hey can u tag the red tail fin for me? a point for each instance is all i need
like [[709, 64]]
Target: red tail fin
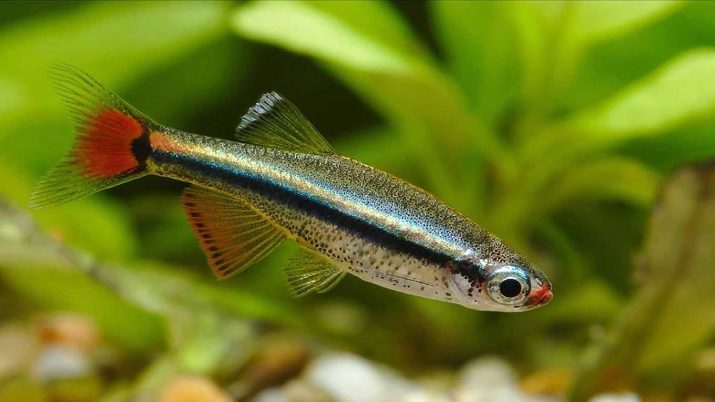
[[104, 149], [111, 147]]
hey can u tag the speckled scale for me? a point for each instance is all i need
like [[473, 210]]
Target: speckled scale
[[327, 181], [368, 260]]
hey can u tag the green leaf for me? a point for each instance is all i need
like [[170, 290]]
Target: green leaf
[[552, 38], [610, 65], [679, 92], [30, 111], [114, 41], [314, 29], [533, 23], [475, 36], [37, 267], [597, 20], [612, 178], [390, 70], [666, 152]]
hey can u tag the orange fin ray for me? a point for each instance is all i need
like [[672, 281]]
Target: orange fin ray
[[230, 244]]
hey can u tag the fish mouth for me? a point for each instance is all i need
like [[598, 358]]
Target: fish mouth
[[541, 296]]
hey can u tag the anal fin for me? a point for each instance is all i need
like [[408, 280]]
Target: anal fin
[[232, 234], [309, 272]]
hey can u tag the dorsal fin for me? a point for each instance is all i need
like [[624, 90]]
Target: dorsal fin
[[277, 123], [232, 234], [309, 272]]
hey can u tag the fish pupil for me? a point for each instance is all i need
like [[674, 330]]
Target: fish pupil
[[510, 287]]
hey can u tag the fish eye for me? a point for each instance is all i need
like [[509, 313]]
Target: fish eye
[[508, 285]]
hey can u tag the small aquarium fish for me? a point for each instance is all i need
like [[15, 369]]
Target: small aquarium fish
[[280, 180]]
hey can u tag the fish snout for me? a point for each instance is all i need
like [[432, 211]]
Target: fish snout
[[541, 296]]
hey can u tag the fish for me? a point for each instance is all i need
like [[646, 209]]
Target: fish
[[281, 180]]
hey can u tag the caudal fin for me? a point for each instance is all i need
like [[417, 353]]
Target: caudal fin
[[111, 147]]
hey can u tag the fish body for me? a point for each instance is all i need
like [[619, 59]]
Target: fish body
[[282, 180], [376, 226]]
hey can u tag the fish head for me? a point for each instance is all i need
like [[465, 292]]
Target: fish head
[[505, 282]]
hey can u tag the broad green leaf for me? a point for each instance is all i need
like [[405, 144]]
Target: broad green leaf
[[613, 178], [479, 41], [600, 20], [666, 152], [552, 38], [113, 40], [375, 20], [390, 71], [679, 92], [313, 29], [549, 55], [610, 65], [585, 23], [531, 28]]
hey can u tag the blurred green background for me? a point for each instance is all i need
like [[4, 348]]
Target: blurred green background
[[553, 124]]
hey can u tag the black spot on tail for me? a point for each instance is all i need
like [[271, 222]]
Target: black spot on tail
[[141, 147]]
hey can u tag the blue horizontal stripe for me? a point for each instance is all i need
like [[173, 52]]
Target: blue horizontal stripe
[[303, 202]]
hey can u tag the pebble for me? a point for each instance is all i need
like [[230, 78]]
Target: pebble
[[191, 388], [624, 397], [18, 348], [491, 379], [72, 330], [351, 378], [61, 362]]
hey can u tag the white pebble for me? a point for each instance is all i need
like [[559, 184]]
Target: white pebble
[[490, 380], [624, 397], [349, 378], [61, 362]]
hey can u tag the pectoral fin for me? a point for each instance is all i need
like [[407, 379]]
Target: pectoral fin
[[310, 272]]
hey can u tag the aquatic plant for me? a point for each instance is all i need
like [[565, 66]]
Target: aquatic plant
[[553, 124]]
